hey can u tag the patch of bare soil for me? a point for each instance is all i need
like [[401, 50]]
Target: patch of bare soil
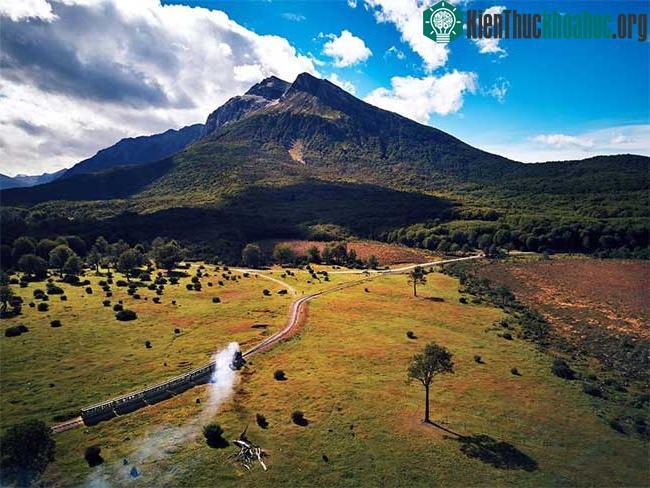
[[570, 293], [386, 254]]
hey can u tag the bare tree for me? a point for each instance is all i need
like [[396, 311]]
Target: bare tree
[[435, 360]]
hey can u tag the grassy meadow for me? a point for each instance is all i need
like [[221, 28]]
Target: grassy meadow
[[346, 371], [53, 371]]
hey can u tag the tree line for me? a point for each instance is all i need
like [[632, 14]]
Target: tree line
[[68, 255], [612, 240], [334, 253]]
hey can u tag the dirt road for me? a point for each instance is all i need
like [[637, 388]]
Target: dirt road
[[297, 307]]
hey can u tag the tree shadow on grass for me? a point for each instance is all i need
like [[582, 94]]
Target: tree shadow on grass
[[501, 455]]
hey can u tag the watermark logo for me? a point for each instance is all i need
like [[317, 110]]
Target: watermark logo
[[442, 22]]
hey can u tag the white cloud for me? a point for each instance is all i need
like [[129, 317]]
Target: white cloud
[[627, 139], [26, 9], [491, 46], [393, 51], [352, 3], [346, 85], [498, 90], [248, 73], [406, 15], [105, 69], [563, 141], [346, 49], [294, 17], [420, 98]]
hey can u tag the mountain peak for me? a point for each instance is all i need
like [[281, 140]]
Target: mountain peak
[[324, 91], [270, 88], [317, 87]]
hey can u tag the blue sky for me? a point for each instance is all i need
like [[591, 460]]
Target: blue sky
[[553, 87], [77, 76]]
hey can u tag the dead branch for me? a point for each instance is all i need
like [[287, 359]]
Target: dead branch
[[249, 452]]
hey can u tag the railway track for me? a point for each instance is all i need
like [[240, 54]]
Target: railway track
[[202, 373], [67, 425]]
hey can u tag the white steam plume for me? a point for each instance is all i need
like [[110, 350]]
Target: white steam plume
[[164, 441]]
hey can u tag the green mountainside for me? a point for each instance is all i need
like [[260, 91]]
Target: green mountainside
[[285, 160]]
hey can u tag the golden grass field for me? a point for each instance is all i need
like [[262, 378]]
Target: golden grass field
[[346, 371]]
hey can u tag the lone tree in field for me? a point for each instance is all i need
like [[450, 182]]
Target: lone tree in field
[[435, 360], [251, 256], [416, 277]]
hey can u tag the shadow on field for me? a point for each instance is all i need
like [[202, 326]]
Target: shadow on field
[[501, 455]]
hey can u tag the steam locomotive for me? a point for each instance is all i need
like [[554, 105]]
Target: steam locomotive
[[238, 361]]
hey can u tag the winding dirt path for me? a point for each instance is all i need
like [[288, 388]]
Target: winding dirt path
[[297, 308]]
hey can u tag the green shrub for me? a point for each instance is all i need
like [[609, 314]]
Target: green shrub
[[261, 421], [279, 375], [126, 315], [593, 390], [216, 300], [55, 323], [614, 384], [617, 426], [93, 457], [410, 334], [298, 417], [118, 307], [562, 370], [42, 307], [16, 330], [54, 290], [213, 434], [27, 449]]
